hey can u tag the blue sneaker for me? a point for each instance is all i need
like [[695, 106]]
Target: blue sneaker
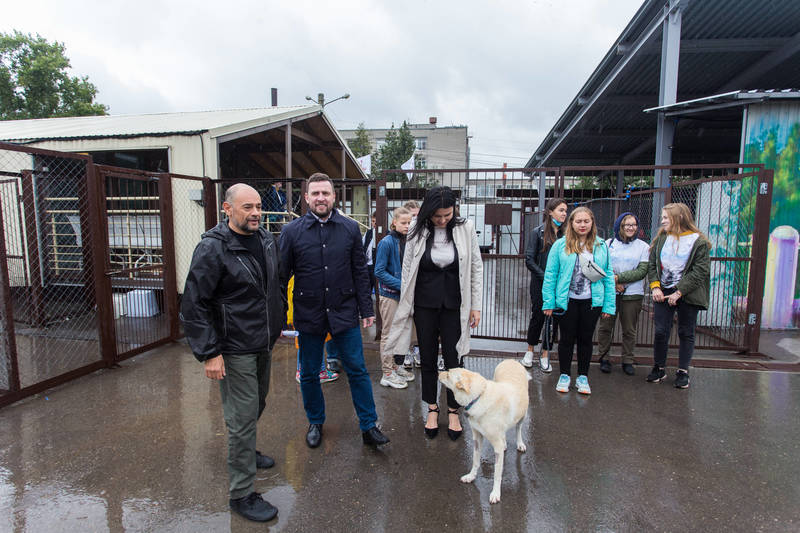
[[563, 383], [582, 383]]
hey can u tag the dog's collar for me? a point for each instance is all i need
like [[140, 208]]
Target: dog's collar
[[470, 404]]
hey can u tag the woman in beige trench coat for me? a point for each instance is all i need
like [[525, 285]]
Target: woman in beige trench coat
[[441, 292]]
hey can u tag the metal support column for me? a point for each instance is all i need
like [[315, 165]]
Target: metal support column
[[288, 163], [667, 94]]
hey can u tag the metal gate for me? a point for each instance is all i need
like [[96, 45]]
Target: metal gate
[[90, 263], [731, 204]]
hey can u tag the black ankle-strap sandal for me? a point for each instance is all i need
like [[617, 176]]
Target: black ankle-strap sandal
[[432, 432], [452, 433]]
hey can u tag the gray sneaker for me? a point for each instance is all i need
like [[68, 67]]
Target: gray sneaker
[[394, 381], [404, 374], [408, 361]]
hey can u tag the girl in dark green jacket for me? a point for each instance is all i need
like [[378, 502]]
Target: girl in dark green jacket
[[680, 278]]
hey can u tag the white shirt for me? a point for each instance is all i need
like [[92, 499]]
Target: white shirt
[[674, 256], [627, 256], [580, 288], [443, 251]]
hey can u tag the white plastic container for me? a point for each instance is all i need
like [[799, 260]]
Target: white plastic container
[[142, 303], [120, 304]]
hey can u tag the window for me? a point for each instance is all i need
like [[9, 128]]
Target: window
[[421, 143]]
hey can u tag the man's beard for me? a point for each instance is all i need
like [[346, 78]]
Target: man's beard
[[244, 226], [324, 214]]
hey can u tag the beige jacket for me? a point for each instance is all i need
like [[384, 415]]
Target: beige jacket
[[470, 274]]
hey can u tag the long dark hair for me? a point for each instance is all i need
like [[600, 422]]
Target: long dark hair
[[440, 197], [550, 233]]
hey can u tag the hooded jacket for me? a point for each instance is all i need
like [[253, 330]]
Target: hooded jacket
[[227, 308]]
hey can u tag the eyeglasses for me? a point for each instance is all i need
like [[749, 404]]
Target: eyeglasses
[[630, 226]]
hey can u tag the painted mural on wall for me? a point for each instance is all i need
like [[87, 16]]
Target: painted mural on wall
[[772, 138]]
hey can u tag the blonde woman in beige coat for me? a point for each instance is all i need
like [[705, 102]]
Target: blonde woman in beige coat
[[441, 292]]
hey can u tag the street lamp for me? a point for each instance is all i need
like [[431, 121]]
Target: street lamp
[[321, 99]]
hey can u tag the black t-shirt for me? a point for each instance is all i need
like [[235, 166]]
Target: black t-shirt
[[253, 245]]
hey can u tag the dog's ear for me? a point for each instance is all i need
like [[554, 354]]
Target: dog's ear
[[463, 384]]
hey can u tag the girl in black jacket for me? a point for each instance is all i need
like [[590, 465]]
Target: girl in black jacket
[[536, 250]]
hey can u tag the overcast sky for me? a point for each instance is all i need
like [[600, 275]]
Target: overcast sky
[[506, 69]]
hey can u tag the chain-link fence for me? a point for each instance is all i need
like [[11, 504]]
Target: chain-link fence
[[506, 204], [90, 262], [50, 317]]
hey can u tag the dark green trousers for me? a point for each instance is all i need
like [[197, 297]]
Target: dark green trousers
[[244, 395], [628, 314]]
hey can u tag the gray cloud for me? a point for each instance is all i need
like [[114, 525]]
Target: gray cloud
[[507, 69]]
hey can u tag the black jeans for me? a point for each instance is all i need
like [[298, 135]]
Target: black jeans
[[537, 319], [433, 324], [577, 326], [687, 320]]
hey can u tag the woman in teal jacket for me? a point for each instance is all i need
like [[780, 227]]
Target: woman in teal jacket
[[567, 290]]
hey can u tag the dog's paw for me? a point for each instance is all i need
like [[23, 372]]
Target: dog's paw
[[494, 496], [521, 447], [468, 478]]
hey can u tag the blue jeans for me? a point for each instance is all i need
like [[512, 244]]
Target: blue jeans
[[351, 355]]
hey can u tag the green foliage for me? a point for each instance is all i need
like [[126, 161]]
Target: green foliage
[[396, 150], [361, 144], [35, 83]]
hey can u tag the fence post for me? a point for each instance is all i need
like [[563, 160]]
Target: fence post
[[168, 269], [210, 203], [758, 259], [8, 313], [32, 247], [382, 218], [95, 192]]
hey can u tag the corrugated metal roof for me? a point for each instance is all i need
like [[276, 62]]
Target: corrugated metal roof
[[720, 40], [156, 124]]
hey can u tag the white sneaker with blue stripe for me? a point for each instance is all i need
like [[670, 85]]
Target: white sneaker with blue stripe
[[582, 383], [563, 383]]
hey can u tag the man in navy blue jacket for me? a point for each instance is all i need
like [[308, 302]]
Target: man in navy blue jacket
[[323, 251]]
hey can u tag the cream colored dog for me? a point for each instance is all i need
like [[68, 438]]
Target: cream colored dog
[[493, 407]]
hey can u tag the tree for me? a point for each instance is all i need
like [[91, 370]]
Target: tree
[[361, 144], [35, 83], [398, 148]]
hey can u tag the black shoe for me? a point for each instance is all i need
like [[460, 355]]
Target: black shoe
[[334, 365], [374, 437], [264, 461], [656, 375], [432, 432], [452, 433], [314, 435], [253, 507], [628, 369], [681, 379], [605, 365]]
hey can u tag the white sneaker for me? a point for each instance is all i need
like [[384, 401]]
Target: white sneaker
[[415, 354], [582, 383], [544, 364], [408, 361], [394, 381], [527, 361], [563, 383], [404, 374]]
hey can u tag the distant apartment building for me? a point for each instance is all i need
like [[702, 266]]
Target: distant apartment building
[[442, 147]]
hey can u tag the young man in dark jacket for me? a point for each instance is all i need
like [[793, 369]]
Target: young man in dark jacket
[[232, 312], [324, 252]]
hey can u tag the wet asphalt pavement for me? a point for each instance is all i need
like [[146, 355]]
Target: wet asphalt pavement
[[142, 448]]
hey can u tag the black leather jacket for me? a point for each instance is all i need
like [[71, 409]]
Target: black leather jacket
[[536, 254], [225, 308]]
